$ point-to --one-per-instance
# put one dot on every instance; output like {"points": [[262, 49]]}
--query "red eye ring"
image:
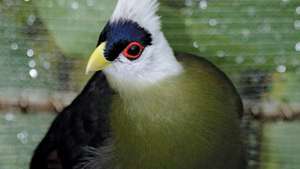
{"points": [[133, 50]]}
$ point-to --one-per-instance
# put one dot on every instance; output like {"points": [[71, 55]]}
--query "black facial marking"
{"points": [[118, 35], [103, 34]]}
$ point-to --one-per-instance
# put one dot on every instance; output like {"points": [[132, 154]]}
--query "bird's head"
{"points": [[132, 49]]}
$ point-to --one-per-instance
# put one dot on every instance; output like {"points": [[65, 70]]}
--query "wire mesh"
{"points": [[44, 47]]}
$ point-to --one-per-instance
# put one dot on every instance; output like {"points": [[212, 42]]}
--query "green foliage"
{"points": [[75, 25], [243, 34], [20, 133], [284, 87], [280, 145], [25, 46]]}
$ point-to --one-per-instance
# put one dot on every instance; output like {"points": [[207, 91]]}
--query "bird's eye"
{"points": [[133, 51]]}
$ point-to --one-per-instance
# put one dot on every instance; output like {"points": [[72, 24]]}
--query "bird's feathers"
{"points": [[153, 112], [80, 133], [84, 123], [157, 60], [181, 122], [142, 12]]}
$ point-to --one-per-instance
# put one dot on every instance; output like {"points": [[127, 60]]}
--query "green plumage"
{"points": [[190, 121]]}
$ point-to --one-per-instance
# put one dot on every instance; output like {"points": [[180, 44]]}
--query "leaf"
{"points": [[75, 25]]}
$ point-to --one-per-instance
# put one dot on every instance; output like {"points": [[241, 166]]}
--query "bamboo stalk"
{"points": [[40, 101]]}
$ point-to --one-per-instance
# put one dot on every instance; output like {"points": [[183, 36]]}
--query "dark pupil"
{"points": [[134, 50]]}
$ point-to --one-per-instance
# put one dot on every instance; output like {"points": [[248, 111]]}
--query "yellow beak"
{"points": [[97, 60]]}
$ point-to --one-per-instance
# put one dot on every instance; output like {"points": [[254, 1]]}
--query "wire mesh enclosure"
{"points": [[44, 47]]}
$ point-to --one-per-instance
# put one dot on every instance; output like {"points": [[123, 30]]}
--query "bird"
{"points": [[146, 106]]}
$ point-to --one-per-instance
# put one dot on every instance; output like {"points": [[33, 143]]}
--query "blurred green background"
{"points": [[44, 45]]}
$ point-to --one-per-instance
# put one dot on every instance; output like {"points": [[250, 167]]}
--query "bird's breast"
{"points": [[178, 124]]}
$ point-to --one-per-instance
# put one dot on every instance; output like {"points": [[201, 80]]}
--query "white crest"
{"points": [[142, 12]]}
